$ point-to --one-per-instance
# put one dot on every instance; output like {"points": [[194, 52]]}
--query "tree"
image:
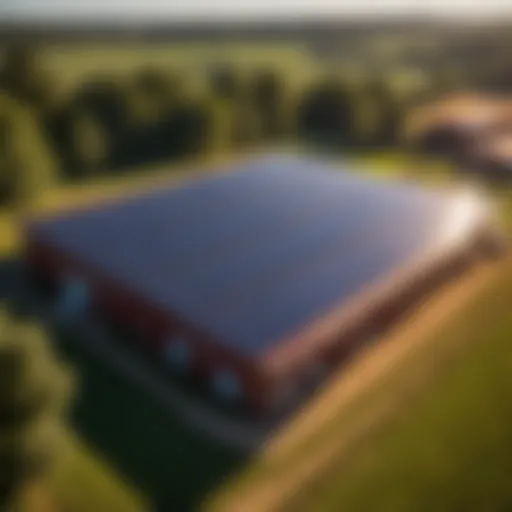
{"points": [[98, 115], [35, 389], [159, 86], [150, 93], [326, 113], [26, 159], [391, 97], [89, 144], [23, 76], [226, 83], [269, 101]]}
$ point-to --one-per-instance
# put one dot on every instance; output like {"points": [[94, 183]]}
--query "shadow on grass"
{"points": [[169, 462], [174, 466]]}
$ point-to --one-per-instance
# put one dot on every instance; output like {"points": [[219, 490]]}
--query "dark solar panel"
{"points": [[253, 255]]}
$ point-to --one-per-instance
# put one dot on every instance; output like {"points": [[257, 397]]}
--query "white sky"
{"points": [[164, 10]]}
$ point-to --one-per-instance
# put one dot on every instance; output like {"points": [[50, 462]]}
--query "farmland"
{"points": [[448, 450], [156, 452], [129, 450], [73, 64]]}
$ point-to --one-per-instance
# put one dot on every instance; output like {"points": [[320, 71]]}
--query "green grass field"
{"points": [[76, 63], [449, 450], [170, 463], [83, 482]]}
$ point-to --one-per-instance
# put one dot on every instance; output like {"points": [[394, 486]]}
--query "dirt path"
{"points": [[367, 371], [38, 499]]}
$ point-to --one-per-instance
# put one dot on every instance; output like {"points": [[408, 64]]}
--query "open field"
{"points": [[449, 450], [100, 488], [169, 462], [74, 64]]}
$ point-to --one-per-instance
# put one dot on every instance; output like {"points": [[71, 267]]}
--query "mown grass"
{"points": [[449, 450], [171, 464], [83, 482]]}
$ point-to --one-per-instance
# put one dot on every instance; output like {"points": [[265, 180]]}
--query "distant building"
{"points": [[491, 158], [453, 125], [262, 280]]}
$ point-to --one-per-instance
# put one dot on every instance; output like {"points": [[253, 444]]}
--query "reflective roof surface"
{"points": [[254, 255]]}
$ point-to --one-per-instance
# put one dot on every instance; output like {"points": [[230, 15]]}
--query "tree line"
{"points": [[35, 392], [109, 125]]}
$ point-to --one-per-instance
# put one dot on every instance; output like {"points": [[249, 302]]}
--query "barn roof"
{"points": [[252, 256]]}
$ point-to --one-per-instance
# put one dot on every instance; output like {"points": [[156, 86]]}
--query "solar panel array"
{"points": [[253, 255]]}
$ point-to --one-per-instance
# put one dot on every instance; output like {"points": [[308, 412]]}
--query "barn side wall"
{"points": [[336, 341], [154, 326]]}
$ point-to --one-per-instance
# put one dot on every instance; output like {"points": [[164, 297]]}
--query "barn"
{"points": [[454, 124], [262, 279], [491, 159]]}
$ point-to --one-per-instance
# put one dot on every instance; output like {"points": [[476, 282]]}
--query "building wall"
{"points": [[155, 327], [262, 382], [341, 336]]}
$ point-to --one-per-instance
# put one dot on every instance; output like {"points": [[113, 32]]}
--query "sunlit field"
{"points": [[76, 63]]}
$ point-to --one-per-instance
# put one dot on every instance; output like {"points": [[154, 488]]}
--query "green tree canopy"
{"points": [[35, 389], [27, 164], [23, 76], [268, 93], [226, 83], [326, 112]]}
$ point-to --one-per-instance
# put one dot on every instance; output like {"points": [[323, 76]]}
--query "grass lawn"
{"points": [[450, 450], [83, 482], [170, 463]]}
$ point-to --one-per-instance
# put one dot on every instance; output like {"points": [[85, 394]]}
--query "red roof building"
{"points": [[261, 280]]}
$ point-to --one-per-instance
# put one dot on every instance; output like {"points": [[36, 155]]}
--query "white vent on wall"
{"points": [[177, 353], [227, 386], [74, 299]]}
